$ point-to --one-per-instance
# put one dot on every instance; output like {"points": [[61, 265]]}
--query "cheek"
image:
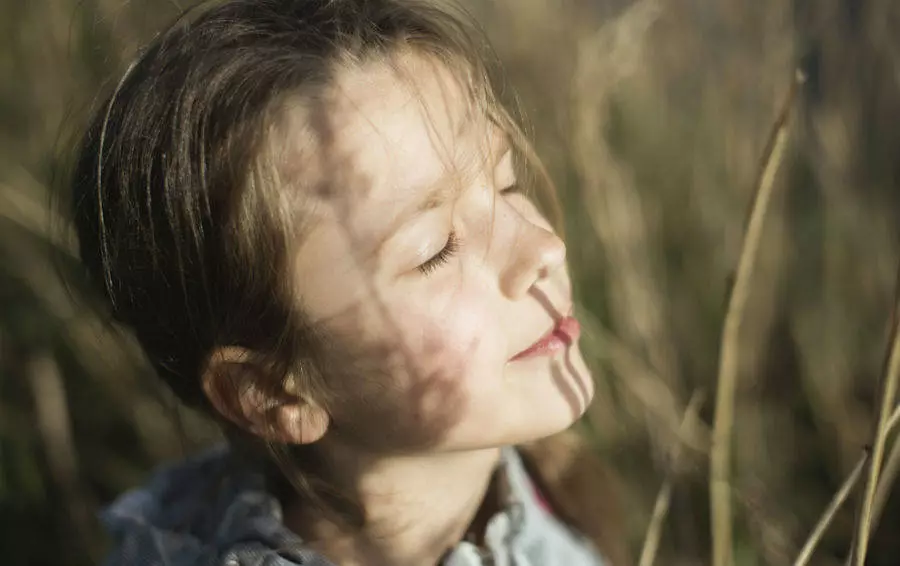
{"points": [[427, 328], [455, 336], [426, 362]]}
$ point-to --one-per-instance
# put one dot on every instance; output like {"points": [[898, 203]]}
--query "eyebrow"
{"points": [[443, 191], [437, 196]]}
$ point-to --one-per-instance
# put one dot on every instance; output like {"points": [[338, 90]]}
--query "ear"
{"points": [[239, 389]]}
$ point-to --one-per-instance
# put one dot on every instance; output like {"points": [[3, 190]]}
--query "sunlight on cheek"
{"points": [[457, 307]]}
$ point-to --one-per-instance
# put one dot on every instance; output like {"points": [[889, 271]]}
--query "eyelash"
{"points": [[440, 258]]}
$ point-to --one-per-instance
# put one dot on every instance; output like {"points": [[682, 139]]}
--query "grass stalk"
{"points": [[833, 507], [720, 485], [887, 393], [886, 482], [840, 497], [664, 497]]}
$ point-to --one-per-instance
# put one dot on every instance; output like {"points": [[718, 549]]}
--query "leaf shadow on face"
{"points": [[384, 397], [572, 386], [423, 412], [578, 397]]}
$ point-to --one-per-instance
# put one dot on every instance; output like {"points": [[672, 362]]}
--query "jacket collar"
{"points": [[209, 510]]}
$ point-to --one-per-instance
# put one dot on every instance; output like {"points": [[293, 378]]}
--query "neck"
{"points": [[416, 508]]}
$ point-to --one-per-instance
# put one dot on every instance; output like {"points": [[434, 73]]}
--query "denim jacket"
{"points": [[203, 512]]}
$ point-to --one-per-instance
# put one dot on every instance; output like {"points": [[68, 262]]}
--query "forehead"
{"points": [[382, 134]]}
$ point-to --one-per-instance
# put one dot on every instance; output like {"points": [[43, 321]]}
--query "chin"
{"points": [[563, 417], [556, 416], [550, 403], [510, 433]]}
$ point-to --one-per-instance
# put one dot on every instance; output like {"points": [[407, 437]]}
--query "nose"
{"points": [[534, 254]]}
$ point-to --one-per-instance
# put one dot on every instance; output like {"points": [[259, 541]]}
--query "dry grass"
{"points": [[652, 117], [720, 460]]}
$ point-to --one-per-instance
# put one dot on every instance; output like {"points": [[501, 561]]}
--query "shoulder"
{"points": [[201, 511]]}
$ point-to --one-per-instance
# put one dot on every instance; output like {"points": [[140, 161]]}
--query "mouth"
{"points": [[561, 336]]}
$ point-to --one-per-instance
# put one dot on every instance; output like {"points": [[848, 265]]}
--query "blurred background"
{"points": [[652, 117]]}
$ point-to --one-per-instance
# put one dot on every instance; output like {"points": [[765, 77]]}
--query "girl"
{"points": [[310, 214]]}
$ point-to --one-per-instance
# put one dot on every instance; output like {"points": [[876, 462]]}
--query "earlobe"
{"points": [[239, 390], [302, 423]]}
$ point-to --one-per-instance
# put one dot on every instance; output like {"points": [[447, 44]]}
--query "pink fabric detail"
{"points": [[541, 500]]}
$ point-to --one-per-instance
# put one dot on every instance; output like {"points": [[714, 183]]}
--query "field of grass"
{"points": [[655, 118]]}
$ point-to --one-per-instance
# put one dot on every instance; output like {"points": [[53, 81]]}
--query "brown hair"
{"points": [[173, 204]]}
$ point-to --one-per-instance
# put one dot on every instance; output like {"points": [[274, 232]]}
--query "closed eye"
{"points": [[440, 258]]}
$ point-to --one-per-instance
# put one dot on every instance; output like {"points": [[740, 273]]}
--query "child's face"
{"points": [[395, 167]]}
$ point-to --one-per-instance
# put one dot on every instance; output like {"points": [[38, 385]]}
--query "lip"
{"points": [[563, 334]]}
